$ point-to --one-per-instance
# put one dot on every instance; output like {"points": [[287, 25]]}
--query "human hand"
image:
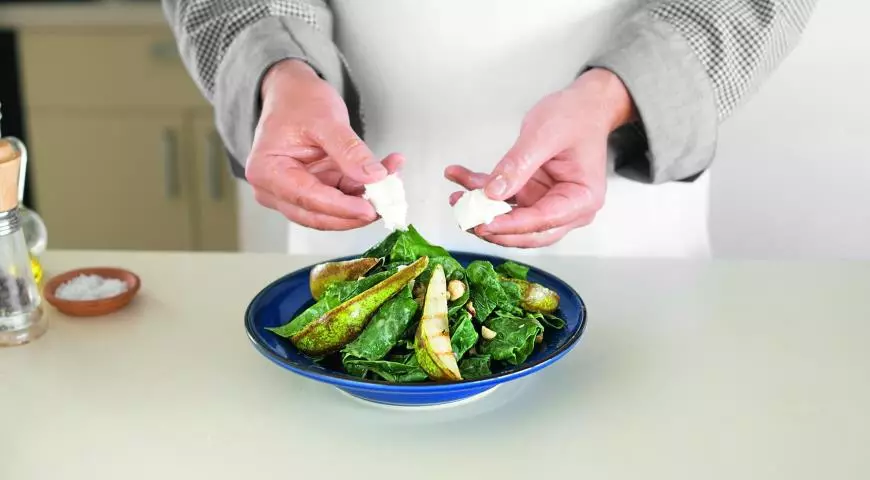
{"points": [[306, 161], [556, 172]]}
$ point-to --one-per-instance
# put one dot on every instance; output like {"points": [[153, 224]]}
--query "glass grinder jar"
{"points": [[21, 315]]}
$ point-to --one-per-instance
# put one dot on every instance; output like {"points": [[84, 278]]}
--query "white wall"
{"points": [[792, 175], [261, 230]]}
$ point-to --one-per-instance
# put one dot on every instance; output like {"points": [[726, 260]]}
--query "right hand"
{"points": [[306, 161]]}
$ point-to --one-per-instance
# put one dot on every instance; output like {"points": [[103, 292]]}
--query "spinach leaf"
{"points": [[405, 371], [335, 295], [475, 367], [384, 329], [513, 291], [513, 270], [452, 269], [383, 248], [488, 292], [514, 340], [355, 369], [410, 246], [464, 335], [548, 320]]}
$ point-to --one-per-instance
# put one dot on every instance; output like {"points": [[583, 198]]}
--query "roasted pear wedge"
{"points": [[325, 274], [432, 345], [536, 297], [341, 325]]}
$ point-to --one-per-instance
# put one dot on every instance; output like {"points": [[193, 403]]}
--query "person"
{"points": [[597, 119]]}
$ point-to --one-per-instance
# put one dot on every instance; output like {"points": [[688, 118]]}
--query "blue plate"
{"points": [[284, 298]]}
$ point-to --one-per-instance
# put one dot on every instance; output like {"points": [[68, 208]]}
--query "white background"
{"points": [[792, 174]]}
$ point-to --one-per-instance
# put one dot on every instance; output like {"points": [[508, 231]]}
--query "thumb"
{"points": [[351, 154], [519, 164]]}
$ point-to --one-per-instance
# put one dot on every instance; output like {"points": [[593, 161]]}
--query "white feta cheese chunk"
{"points": [[475, 208], [388, 198]]}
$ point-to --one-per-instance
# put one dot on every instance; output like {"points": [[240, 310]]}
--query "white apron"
{"points": [[449, 81]]}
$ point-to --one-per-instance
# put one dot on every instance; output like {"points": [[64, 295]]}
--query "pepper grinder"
{"points": [[21, 315]]}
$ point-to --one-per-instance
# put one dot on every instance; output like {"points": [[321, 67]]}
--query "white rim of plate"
{"points": [[418, 408]]}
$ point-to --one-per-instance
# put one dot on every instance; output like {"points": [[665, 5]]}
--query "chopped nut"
{"points": [[486, 333], [456, 289], [539, 338], [470, 307]]}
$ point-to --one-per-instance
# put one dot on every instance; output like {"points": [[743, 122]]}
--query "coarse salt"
{"points": [[90, 287]]}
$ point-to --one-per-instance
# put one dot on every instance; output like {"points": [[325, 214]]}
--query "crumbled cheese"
{"points": [[475, 208], [90, 287], [388, 198]]}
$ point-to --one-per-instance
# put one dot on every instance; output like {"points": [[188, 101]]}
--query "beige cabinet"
{"points": [[124, 151], [215, 204], [111, 180]]}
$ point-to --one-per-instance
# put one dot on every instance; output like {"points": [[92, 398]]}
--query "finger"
{"points": [[266, 199], [350, 153], [465, 177], [524, 158], [538, 239], [334, 178], [297, 186], [304, 153], [454, 197], [562, 204], [393, 162], [319, 221], [534, 190]]}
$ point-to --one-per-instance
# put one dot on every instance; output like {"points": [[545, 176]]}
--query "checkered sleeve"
{"points": [[688, 65], [227, 47]]}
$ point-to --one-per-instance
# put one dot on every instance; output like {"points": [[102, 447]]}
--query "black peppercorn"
{"points": [[14, 294]]}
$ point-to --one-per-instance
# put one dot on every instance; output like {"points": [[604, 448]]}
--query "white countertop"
{"points": [[686, 371], [85, 14]]}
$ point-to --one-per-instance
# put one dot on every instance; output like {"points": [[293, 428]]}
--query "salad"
{"points": [[406, 311]]}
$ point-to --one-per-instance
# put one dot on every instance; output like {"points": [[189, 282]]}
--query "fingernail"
{"points": [[497, 186], [374, 169]]}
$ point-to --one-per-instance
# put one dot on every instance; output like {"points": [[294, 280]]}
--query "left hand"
{"points": [[556, 172]]}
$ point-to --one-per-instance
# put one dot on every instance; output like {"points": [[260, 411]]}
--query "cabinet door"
{"points": [[216, 205], [111, 180]]}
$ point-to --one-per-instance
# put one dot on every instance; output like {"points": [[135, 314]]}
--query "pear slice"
{"points": [[432, 345], [341, 325], [325, 274], [536, 297]]}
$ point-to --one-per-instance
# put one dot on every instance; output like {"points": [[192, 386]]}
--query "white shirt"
{"points": [[449, 81]]}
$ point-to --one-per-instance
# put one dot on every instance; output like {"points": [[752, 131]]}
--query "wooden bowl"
{"points": [[90, 308]]}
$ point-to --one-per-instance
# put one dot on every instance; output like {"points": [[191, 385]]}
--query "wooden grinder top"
{"points": [[10, 165]]}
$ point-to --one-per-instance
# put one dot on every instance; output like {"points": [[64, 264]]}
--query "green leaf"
{"points": [[452, 269], [464, 336], [488, 291], [405, 371], [513, 291], [513, 270], [335, 295], [475, 367], [410, 246], [385, 328], [383, 248], [548, 320], [514, 340]]}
